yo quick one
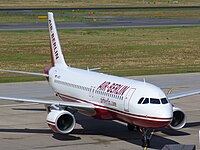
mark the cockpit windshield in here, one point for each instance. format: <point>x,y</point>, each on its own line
<point>152,101</point>
<point>141,100</point>
<point>164,101</point>
<point>146,101</point>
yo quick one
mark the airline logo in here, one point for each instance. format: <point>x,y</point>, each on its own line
<point>53,40</point>
<point>113,88</point>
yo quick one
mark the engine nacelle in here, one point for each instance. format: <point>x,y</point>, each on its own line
<point>61,121</point>
<point>179,119</point>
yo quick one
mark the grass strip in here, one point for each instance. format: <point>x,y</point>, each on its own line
<point>99,15</point>
<point>123,52</point>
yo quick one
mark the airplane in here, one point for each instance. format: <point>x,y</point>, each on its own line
<point>139,104</point>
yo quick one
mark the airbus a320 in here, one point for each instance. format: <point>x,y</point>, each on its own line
<point>102,96</point>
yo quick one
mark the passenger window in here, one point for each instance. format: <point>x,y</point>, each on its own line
<point>154,101</point>
<point>146,101</point>
<point>164,101</point>
<point>140,101</point>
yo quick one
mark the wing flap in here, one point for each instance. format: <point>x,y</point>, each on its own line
<point>183,94</point>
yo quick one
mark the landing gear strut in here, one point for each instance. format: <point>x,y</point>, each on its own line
<point>132,127</point>
<point>146,136</point>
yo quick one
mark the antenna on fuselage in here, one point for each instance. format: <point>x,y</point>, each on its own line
<point>144,80</point>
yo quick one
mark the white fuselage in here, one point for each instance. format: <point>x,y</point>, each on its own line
<point>113,97</point>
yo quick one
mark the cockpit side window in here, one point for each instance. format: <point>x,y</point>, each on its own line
<point>140,101</point>
<point>154,101</point>
<point>146,101</point>
<point>164,101</point>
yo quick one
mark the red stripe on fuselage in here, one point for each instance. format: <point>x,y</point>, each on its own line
<point>106,113</point>
<point>69,98</point>
<point>53,123</point>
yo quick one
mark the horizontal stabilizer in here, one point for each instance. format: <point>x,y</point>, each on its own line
<point>93,69</point>
<point>23,72</point>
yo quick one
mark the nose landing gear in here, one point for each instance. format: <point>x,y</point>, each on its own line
<point>146,134</point>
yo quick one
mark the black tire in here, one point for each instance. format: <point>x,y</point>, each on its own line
<point>130,127</point>
<point>146,143</point>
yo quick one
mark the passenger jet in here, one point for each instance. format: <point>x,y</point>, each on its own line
<point>102,96</point>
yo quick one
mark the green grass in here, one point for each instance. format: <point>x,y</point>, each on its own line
<point>139,13</point>
<point>99,15</point>
<point>152,13</point>
<point>122,52</point>
<point>6,17</point>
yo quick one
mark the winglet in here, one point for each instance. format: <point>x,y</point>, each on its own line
<point>56,51</point>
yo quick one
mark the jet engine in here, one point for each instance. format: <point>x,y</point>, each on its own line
<point>61,121</point>
<point>179,119</point>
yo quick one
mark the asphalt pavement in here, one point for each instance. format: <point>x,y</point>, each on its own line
<point>23,125</point>
<point>117,23</point>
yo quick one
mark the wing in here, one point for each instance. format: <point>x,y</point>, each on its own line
<point>75,105</point>
<point>183,94</point>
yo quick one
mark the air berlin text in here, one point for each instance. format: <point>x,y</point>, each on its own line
<point>108,102</point>
<point>114,88</point>
<point>53,40</point>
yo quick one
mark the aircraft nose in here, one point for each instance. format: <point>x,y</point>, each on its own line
<point>157,116</point>
<point>163,115</point>
<point>166,111</point>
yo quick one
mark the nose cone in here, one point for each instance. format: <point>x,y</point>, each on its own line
<point>161,115</point>
<point>165,111</point>
<point>154,116</point>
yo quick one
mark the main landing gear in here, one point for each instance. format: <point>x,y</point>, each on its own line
<point>133,128</point>
<point>146,134</point>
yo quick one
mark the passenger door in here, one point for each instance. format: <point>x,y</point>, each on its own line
<point>91,92</point>
<point>127,99</point>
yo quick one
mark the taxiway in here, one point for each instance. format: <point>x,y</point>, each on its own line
<point>116,23</point>
<point>23,125</point>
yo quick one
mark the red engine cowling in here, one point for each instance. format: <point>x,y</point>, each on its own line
<point>179,119</point>
<point>61,121</point>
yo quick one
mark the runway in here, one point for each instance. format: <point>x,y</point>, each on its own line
<point>23,126</point>
<point>117,23</point>
<point>96,21</point>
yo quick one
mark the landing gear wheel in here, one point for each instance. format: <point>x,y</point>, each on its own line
<point>146,143</point>
<point>130,127</point>
<point>137,128</point>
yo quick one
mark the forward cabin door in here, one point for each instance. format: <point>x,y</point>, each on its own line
<point>91,92</point>
<point>127,99</point>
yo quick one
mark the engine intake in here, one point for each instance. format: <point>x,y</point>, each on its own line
<point>61,121</point>
<point>179,119</point>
